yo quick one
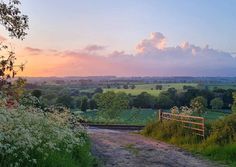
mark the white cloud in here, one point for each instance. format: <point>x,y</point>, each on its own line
<point>153,59</point>
<point>156,41</point>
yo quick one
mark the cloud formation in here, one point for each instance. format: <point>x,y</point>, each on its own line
<point>152,58</point>
<point>2,38</point>
<point>91,48</point>
<point>33,51</point>
<point>156,41</point>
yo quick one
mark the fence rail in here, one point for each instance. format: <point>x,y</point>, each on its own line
<point>194,123</point>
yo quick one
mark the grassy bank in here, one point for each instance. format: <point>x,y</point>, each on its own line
<point>219,144</point>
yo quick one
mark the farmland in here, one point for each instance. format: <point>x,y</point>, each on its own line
<point>151,88</point>
<point>138,116</point>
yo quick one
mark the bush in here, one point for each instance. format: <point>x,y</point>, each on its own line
<point>217,103</point>
<point>223,131</point>
<point>29,137</point>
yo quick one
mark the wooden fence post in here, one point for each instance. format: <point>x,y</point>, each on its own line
<point>203,122</point>
<point>160,115</point>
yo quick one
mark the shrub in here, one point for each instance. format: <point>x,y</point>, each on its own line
<point>30,137</point>
<point>198,104</point>
<point>234,103</point>
<point>223,131</point>
<point>217,103</point>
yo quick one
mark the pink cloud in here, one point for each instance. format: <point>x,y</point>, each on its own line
<point>156,41</point>
<point>2,38</point>
<point>33,51</point>
<point>91,48</point>
<point>152,59</point>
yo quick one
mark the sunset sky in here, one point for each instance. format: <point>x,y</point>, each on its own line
<point>128,38</point>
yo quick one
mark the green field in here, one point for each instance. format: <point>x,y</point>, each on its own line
<point>151,88</point>
<point>138,116</point>
<point>221,86</point>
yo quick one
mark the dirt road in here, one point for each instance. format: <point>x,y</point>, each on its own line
<point>123,149</point>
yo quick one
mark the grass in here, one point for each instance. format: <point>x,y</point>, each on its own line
<point>129,117</point>
<point>224,154</point>
<point>222,86</point>
<point>151,88</point>
<point>139,116</point>
<point>219,145</point>
<point>80,157</point>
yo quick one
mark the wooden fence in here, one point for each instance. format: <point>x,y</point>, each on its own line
<point>196,124</point>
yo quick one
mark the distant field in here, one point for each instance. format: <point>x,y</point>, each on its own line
<point>139,116</point>
<point>222,86</point>
<point>151,88</point>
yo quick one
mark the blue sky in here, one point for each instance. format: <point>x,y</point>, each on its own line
<point>121,24</point>
<point>129,37</point>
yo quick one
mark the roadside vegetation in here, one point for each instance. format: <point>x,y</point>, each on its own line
<point>30,134</point>
<point>219,143</point>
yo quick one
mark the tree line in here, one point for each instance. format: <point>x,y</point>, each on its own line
<point>215,99</point>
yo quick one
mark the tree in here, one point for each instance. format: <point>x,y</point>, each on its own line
<point>111,104</point>
<point>164,101</point>
<point>234,104</point>
<point>37,93</point>
<point>92,104</point>
<point>144,100</point>
<point>98,90</point>
<point>158,87</point>
<point>16,24</point>
<point>65,100</point>
<point>78,102</point>
<point>216,103</point>
<point>198,104</point>
<point>132,86</point>
<point>126,86</point>
<point>12,19</point>
<point>84,104</point>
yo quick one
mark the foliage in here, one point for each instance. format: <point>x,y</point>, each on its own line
<point>65,100</point>
<point>92,104</point>
<point>198,104</point>
<point>234,104</point>
<point>223,131</point>
<point>30,137</point>
<point>98,90</point>
<point>216,103</point>
<point>8,69</point>
<point>126,86</point>
<point>219,143</point>
<point>144,100</point>
<point>12,19</point>
<point>37,93</point>
<point>181,110</point>
<point>170,131</point>
<point>164,101</point>
<point>111,104</point>
<point>132,86</point>
<point>158,87</point>
<point>84,103</point>
<point>29,101</point>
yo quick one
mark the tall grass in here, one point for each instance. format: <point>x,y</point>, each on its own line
<point>219,144</point>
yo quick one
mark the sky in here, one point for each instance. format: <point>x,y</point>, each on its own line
<point>128,38</point>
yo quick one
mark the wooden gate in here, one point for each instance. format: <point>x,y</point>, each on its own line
<point>194,123</point>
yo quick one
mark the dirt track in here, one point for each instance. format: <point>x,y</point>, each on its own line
<point>123,149</point>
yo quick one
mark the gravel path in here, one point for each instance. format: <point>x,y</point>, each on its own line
<point>123,149</point>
